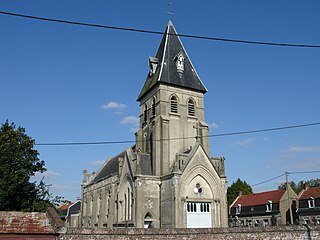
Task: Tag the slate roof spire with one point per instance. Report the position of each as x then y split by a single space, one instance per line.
172 65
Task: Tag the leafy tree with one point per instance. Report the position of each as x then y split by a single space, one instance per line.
18 162
299 186
235 188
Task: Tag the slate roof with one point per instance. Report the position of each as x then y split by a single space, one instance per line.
259 198
111 167
166 71
310 192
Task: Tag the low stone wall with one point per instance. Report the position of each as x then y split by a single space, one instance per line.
247 233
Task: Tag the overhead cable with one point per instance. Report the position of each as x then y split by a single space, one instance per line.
303 172
268 180
179 138
159 32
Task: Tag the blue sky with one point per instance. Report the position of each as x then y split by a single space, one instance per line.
58 81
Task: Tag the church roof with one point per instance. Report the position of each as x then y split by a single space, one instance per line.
166 70
110 168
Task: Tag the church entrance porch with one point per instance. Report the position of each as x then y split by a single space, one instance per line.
198 215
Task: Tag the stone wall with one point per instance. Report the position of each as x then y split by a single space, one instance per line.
255 233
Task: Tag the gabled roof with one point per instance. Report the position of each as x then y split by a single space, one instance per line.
311 192
166 71
110 168
259 198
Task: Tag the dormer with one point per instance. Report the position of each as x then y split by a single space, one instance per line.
179 60
153 63
269 206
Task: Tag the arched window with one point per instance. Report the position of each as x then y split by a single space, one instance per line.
145 114
174 104
153 107
148 221
191 111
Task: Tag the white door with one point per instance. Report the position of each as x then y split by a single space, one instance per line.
198 215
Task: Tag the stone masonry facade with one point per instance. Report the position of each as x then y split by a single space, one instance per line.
248 233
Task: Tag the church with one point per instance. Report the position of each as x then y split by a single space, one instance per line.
167 179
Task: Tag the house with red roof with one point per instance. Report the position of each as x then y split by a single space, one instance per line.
308 205
262 209
69 213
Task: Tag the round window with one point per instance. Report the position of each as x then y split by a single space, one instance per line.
198 189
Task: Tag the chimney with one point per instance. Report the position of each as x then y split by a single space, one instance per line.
306 186
240 193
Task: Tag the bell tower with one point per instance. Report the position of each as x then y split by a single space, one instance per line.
171 106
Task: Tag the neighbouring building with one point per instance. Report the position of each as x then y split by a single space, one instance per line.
262 209
69 213
167 179
308 205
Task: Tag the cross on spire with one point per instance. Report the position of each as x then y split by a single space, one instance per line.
169 9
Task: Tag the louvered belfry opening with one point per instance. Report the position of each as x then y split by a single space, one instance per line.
174 104
191 111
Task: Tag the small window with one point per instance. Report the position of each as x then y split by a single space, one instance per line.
174 104
191 111
269 206
238 209
311 202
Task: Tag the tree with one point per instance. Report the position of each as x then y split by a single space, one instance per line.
299 186
18 162
235 188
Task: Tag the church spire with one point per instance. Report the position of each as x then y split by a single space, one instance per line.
172 65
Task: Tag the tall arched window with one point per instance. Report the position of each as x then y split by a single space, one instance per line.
174 104
191 111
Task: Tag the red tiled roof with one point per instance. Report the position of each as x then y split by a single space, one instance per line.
259 198
65 206
310 192
25 223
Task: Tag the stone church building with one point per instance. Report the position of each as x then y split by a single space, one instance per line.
167 179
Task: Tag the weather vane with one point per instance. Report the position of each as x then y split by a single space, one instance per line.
169 9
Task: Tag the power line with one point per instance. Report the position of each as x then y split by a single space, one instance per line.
158 32
179 138
268 180
289 173
305 172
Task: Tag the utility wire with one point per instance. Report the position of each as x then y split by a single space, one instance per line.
289 173
158 32
268 180
179 138
316 171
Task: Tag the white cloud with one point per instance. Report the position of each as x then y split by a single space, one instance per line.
97 163
47 175
306 164
118 113
113 105
62 187
245 142
131 120
304 149
213 126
